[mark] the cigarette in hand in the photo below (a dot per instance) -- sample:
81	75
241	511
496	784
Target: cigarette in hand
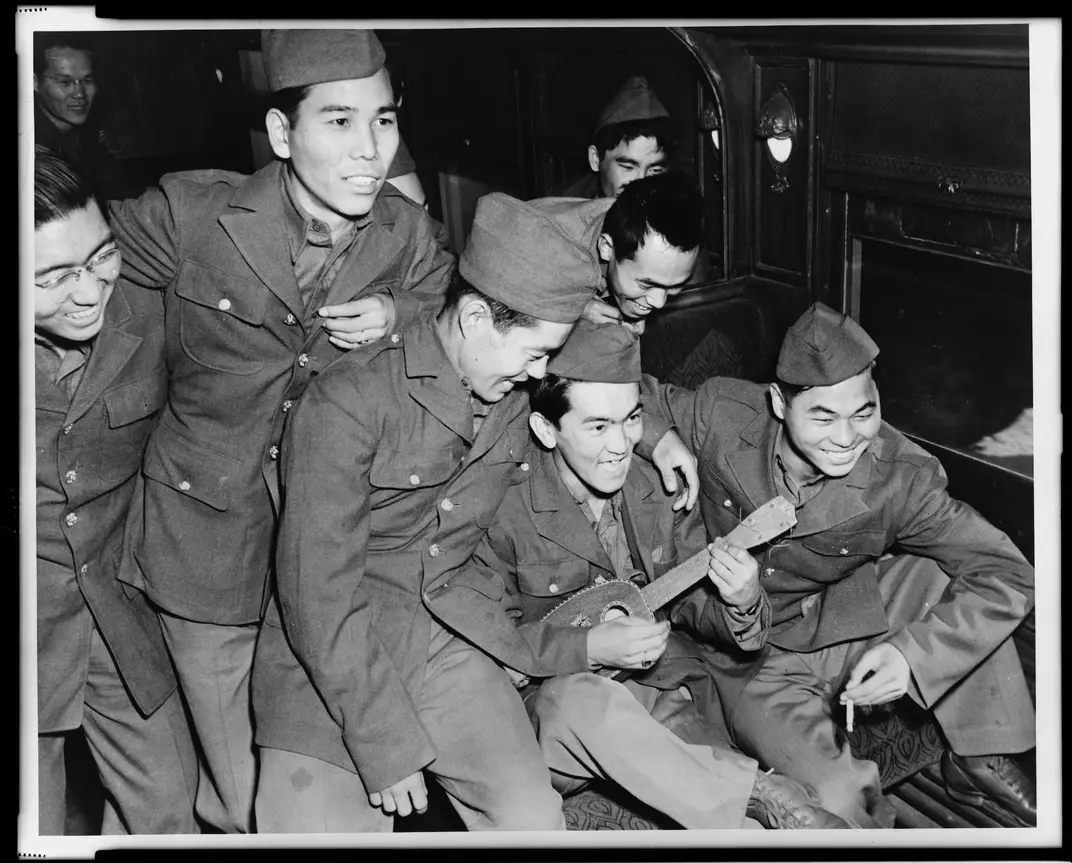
848	715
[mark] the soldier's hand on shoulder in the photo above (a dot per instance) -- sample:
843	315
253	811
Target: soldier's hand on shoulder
360	321
734	573
599	312
671	455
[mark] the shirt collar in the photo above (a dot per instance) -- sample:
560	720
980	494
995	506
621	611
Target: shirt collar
300	225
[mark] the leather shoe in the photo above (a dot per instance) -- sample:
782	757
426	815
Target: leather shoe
976	779
781	803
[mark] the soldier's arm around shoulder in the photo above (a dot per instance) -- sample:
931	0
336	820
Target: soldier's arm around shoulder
430	264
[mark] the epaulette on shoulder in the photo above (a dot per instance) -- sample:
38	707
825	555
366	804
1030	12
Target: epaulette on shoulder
737	390
896	447
205	177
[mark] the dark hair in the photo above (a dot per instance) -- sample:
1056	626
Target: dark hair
59	188
503	318
669	204
791	391
288	102
45	42
550	397
662	129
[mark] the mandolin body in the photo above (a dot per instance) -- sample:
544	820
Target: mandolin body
600	603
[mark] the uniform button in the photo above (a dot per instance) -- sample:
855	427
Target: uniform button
67	429
524	465
273	453
727	502
844	551
224	304
447	504
553	588
433	550
287	405
414	479
184	486
290	320
303	360
768	572
72	519
395	338
318	226
84	568
70	477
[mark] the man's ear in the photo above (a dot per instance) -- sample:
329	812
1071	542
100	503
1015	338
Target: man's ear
777	401
473	316
605	246
593	157
543	428
275	121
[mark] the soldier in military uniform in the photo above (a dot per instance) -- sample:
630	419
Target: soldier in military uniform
265	277
592	513
99	384
649	241
886	587
632	139
394	464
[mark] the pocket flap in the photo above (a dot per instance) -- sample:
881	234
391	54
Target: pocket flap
223	292
512	446
190	469
550	580
136	400
411	469
869	543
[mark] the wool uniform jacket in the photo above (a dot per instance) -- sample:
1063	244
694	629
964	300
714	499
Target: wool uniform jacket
241	348
822	578
546	551
89	450
387	493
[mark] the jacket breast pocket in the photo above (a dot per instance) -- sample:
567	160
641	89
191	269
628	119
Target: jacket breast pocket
220	316
854	547
130	411
723	505
552	580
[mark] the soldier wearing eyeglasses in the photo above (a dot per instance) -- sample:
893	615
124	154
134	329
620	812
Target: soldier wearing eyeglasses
100	382
64	92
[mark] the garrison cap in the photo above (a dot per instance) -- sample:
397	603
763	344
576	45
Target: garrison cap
524	258
824	348
580	218
606	353
296	58
634	101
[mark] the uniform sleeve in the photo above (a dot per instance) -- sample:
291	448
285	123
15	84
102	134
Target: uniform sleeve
992	588
327	613
146	232
556	649
687	410
425	282
701	610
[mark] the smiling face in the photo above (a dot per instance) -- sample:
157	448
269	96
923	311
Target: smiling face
827	429
630	160
641	284
594	441
341	146
495	362
65	89
68	308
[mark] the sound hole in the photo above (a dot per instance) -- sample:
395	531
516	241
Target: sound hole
614	611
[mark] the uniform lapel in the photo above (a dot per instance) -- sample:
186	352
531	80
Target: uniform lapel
557	518
256	227
750	464
436	387
640	514
375	248
839	500
112	349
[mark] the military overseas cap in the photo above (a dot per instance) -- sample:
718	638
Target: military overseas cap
580	218
297	58
522	257
634	101
606	353
824	348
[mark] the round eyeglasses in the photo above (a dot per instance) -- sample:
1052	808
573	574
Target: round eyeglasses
103	267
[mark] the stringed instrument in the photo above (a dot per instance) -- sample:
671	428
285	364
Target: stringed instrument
611	599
